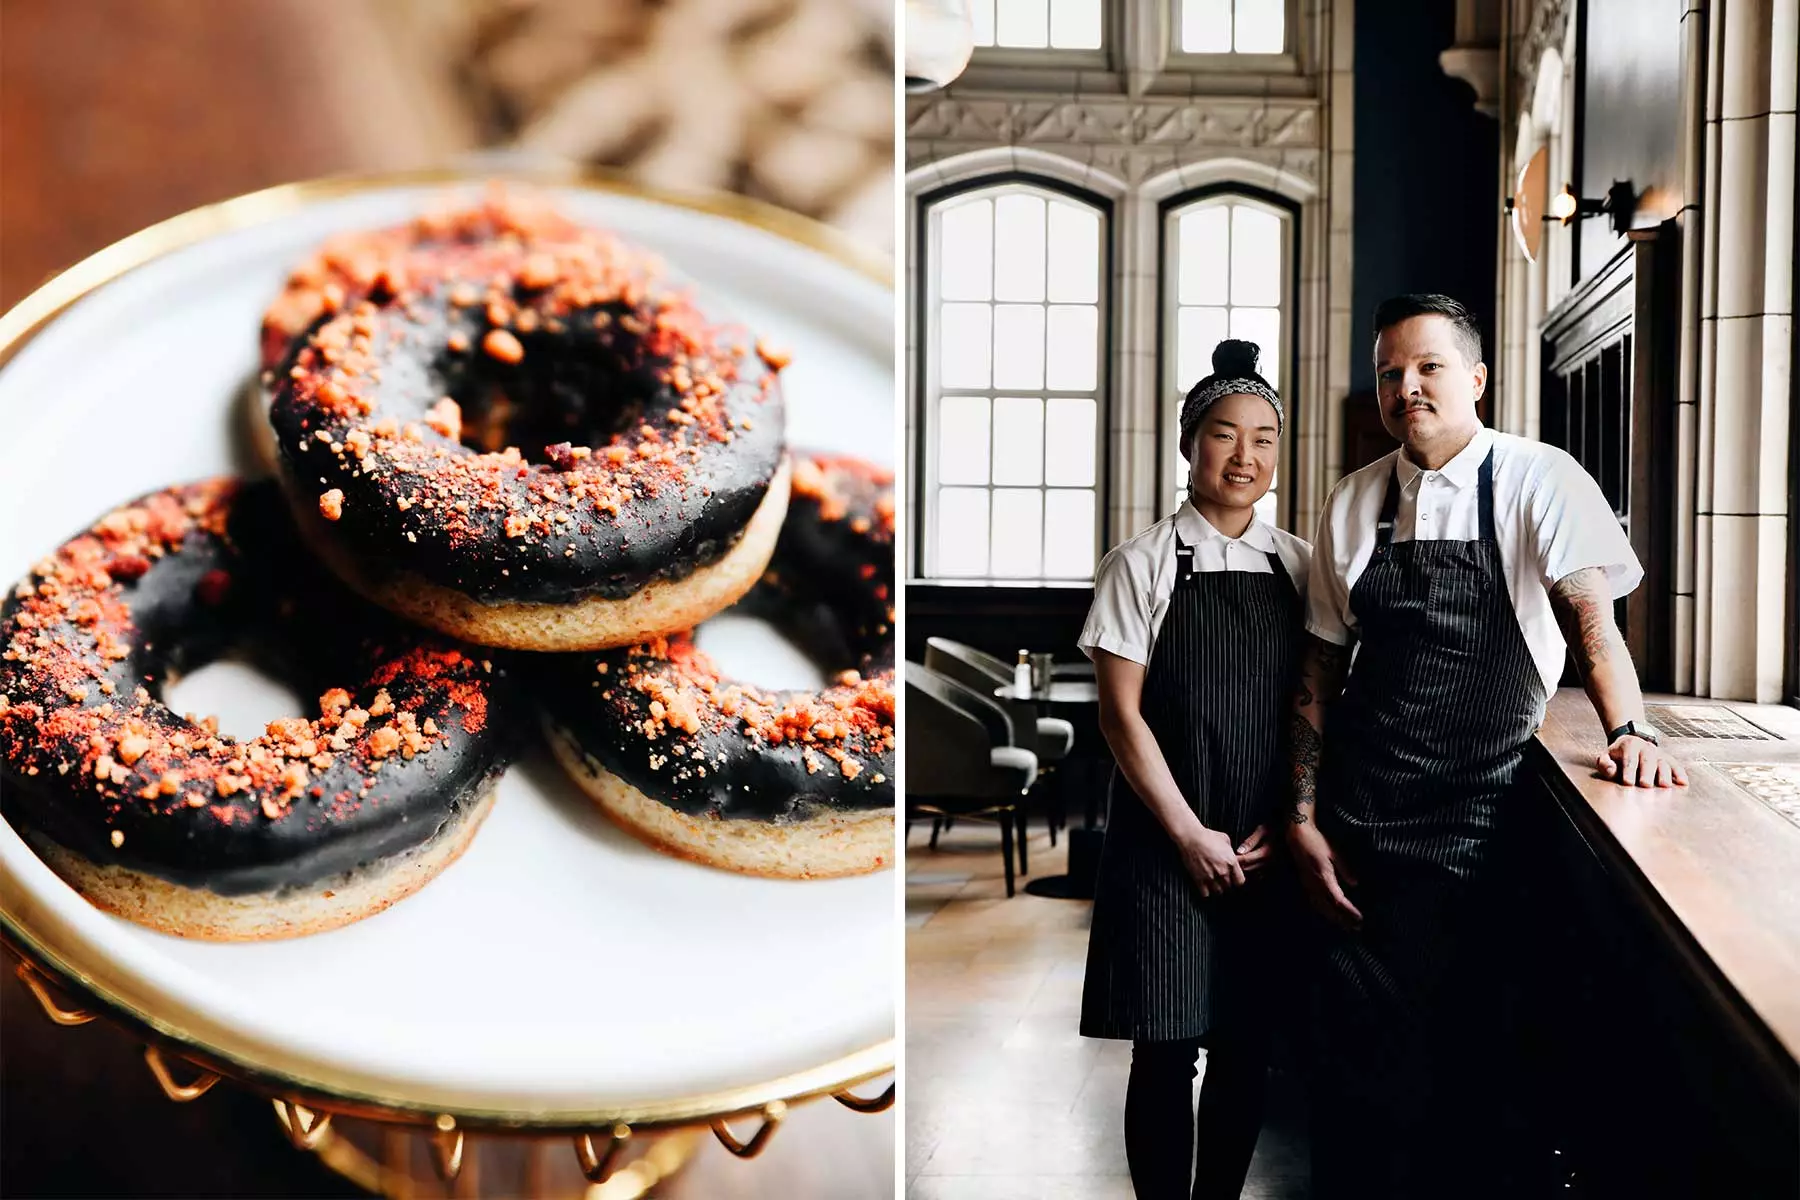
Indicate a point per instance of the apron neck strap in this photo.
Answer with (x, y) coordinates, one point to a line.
(1184, 560)
(1487, 497)
(1280, 569)
(1390, 508)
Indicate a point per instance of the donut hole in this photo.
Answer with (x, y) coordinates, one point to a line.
(241, 694)
(749, 648)
(557, 395)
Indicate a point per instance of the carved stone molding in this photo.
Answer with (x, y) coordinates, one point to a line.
(1132, 165)
(1175, 123)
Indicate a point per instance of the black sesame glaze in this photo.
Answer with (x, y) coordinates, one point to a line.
(646, 435)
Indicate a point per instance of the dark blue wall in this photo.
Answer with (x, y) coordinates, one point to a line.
(1427, 173)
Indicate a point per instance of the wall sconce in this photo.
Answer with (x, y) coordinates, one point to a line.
(1620, 204)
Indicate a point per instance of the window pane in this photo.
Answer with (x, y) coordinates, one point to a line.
(1197, 331)
(1255, 256)
(1018, 346)
(1075, 24)
(1069, 442)
(1204, 237)
(1074, 254)
(1069, 534)
(1074, 347)
(964, 339)
(1022, 23)
(966, 251)
(1018, 545)
(1206, 26)
(981, 13)
(963, 427)
(1019, 247)
(962, 529)
(1259, 27)
(1018, 441)
(1262, 326)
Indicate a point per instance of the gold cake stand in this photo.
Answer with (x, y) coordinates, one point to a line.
(387, 1145)
(401, 1150)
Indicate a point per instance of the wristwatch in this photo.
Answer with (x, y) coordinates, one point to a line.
(1637, 729)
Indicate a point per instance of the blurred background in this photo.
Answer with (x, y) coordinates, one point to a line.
(118, 113)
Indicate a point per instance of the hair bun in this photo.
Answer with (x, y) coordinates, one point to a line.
(1234, 359)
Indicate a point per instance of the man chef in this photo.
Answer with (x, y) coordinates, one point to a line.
(1446, 580)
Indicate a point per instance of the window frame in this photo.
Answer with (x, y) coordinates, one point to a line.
(925, 469)
(1168, 354)
(1287, 62)
(1030, 57)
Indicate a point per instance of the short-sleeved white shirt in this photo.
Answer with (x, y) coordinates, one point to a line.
(1550, 519)
(1136, 578)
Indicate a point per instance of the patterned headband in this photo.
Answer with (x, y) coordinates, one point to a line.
(1204, 398)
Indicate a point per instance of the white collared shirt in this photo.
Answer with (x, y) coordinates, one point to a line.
(1550, 519)
(1134, 581)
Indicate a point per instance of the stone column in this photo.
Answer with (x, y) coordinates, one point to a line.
(1136, 494)
(1746, 341)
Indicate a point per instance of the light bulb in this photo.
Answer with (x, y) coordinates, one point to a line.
(1564, 205)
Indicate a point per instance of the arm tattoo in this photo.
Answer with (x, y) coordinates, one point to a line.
(1321, 678)
(1306, 747)
(1583, 606)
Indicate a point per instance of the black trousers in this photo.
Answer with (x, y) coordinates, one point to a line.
(1161, 1126)
(1431, 1101)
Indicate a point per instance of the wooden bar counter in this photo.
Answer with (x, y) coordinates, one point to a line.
(1658, 952)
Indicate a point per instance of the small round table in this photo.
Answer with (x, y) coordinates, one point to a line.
(1084, 843)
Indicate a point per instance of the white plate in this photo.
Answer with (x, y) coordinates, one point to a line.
(559, 967)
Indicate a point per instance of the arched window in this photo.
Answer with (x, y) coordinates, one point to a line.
(1012, 378)
(1228, 271)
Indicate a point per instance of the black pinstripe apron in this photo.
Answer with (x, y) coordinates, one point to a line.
(1163, 963)
(1419, 755)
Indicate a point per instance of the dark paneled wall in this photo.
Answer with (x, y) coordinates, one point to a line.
(1630, 116)
(1000, 620)
(1427, 172)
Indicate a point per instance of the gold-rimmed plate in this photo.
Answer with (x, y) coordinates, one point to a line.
(560, 973)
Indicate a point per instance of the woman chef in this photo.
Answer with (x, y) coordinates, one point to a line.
(1195, 632)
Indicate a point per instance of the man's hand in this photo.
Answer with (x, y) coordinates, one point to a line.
(1582, 602)
(1254, 851)
(1635, 762)
(1322, 877)
(1210, 859)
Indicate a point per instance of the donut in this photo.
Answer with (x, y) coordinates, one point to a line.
(165, 821)
(409, 366)
(793, 784)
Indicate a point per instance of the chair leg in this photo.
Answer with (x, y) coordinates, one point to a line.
(937, 825)
(1006, 847)
(1024, 836)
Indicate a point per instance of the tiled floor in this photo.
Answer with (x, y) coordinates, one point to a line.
(1004, 1100)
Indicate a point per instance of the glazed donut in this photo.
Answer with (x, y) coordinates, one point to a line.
(654, 480)
(160, 818)
(790, 784)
